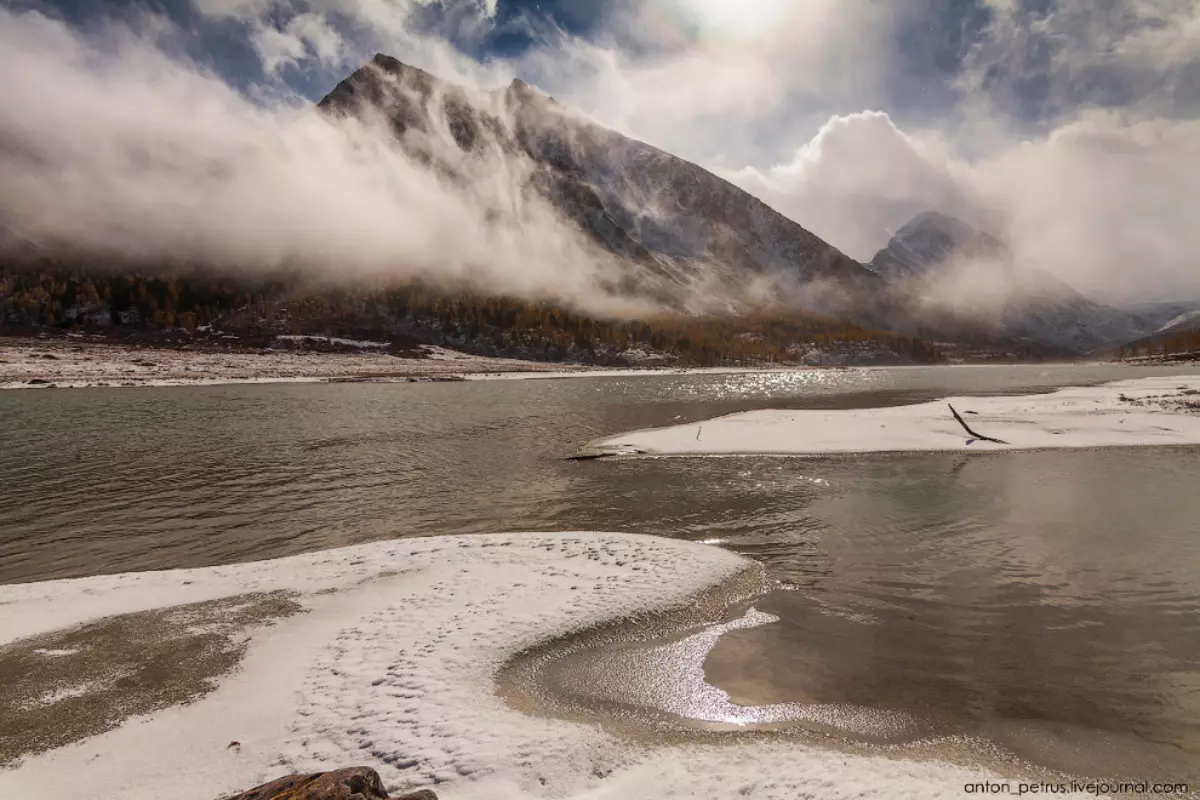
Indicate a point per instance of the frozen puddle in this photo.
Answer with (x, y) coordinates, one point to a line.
(1150, 411)
(392, 663)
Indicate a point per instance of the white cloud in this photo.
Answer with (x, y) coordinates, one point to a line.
(859, 179)
(1106, 202)
(1141, 54)
(133, 152)
(305, 36)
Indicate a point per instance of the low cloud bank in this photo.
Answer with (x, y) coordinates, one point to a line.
(111, 144)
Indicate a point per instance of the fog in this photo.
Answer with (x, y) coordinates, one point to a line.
(112, 146)
(112, 140)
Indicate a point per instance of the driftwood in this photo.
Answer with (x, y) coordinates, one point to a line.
(973, 434)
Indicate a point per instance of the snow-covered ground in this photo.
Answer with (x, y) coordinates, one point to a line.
(1148, 411)
(68, 363)
(394, 669)
(334, 340)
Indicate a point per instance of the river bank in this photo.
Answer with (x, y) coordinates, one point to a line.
(77, 363)
(392, 661)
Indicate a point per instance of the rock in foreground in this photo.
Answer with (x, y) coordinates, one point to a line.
(356, 783)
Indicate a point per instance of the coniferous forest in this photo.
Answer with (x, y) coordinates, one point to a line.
(190, 309)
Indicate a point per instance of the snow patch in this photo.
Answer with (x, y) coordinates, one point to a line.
(333, 340)
(1180, 320)
(1123, 414)
(394, 668)
(66, 693)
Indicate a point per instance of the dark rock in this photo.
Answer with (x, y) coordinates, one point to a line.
(359, 783)
(355, 783)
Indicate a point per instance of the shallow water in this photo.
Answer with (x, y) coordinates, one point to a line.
(1043, 601)
(1029, 597)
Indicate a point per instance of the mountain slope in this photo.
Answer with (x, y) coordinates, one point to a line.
(949, 275)
(932, 239)
(678, 230)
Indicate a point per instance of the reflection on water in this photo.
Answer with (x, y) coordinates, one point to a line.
(1034, 597)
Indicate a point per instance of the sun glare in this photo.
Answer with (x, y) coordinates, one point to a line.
(737, 17)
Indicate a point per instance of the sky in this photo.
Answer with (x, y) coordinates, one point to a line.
(1068, 127)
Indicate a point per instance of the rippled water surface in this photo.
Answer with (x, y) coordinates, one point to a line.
(1026, 594)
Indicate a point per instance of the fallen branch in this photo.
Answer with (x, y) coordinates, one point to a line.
(973, 434)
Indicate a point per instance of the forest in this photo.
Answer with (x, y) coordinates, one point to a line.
(193, 304)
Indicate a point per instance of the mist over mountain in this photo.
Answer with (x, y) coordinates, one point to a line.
(399, 176)
(952, 277)
(682, 235)
(930, 240)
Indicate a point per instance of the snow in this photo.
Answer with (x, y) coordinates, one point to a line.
(628, 372)
(66, 694)
(75, 363)
(1068, 418)
(1180, 320)
(395, 670)
(333, 340)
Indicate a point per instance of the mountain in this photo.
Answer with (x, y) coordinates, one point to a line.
(682, 234)
(950, 276)
(1174, 330)
(932, 239)
(1168, 317)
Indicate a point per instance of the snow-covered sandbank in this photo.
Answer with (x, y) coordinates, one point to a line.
(1148, 411)
(76, 363)
(83, 363)
(392, 666)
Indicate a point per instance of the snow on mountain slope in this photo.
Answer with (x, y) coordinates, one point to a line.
(1181, 322)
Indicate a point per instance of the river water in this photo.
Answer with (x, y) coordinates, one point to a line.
(991, 593)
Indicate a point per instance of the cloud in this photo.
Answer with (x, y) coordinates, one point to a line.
(1072, 135)
(113, 145)
(306, 35)
(860, 178)
(1106, 201)
(1043, 62)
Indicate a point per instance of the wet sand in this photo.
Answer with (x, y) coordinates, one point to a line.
(66, 686)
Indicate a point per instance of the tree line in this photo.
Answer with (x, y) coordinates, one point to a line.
(73, 300)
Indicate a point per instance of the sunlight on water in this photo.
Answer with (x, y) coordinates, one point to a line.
(669, 678)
